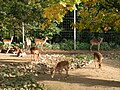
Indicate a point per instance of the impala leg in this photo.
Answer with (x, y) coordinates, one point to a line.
(52, 73)
(98, 47)
(60, 73)
(100, 62)
(99, 65)
(91, 47)
(8, 49)
(31, 57)
(95, 62)
(37, 57)
(66, 69)
(42, 47)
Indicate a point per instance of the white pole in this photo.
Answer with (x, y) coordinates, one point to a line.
(74, 30)
(23, 34)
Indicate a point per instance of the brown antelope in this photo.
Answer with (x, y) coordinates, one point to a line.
(21, 53)
(35, 53)
(98, 57)
(59, 68)
(95, 42)
(8, 42)
(28, 43)
(40, 41)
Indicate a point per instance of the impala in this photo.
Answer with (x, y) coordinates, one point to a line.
(59, 68)
(96, 42)
(28, 43)
(98, 57)
(40, 41)
(21, 53)
(8, 42)
(35, 53)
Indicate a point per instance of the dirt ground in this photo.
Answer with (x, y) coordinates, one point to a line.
(88, 78)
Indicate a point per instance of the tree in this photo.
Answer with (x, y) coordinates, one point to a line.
(36, 14)
(99, 15)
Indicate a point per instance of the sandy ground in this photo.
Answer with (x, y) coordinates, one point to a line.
(88, 78)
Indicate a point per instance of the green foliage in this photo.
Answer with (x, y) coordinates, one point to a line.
(67, 45)
(115, 56)
(57, 11)
(82, 57)
(105, 46)
(18, 76)
(83, 46)
(114, 45)
(99, 16)
(44, 16)
(47, 46)
(56, 46)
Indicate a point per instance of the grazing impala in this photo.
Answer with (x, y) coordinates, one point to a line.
(8, 42)
(40, 41)
(96, 42)
(35, 53)
(98, 57)
(59, 68)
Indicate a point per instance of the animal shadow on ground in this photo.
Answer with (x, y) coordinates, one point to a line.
(80, 80)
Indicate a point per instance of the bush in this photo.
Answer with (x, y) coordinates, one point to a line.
(105, 46)
(47, 46)
(67, 45)
(56, 46)
(82, 46)
(114, 46)
(18, 76)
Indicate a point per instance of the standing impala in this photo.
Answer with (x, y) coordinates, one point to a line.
(98, 57)
(96, 42)
(8, 42)
(35, 53)
(40, 41)
(28, 43)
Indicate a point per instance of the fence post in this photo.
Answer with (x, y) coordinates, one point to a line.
(23, 34)
(74, 29)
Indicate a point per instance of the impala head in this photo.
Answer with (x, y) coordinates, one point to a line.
(59, 68)
(46, 38)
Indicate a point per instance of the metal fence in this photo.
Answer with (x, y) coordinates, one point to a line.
(85, 35)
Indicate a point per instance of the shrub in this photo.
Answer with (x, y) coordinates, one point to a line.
(82, 46)
(15, 76)
(117, 47)
(55, 46)
(114, 46)
(67, 45)
(47, 46)
(104, 46)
